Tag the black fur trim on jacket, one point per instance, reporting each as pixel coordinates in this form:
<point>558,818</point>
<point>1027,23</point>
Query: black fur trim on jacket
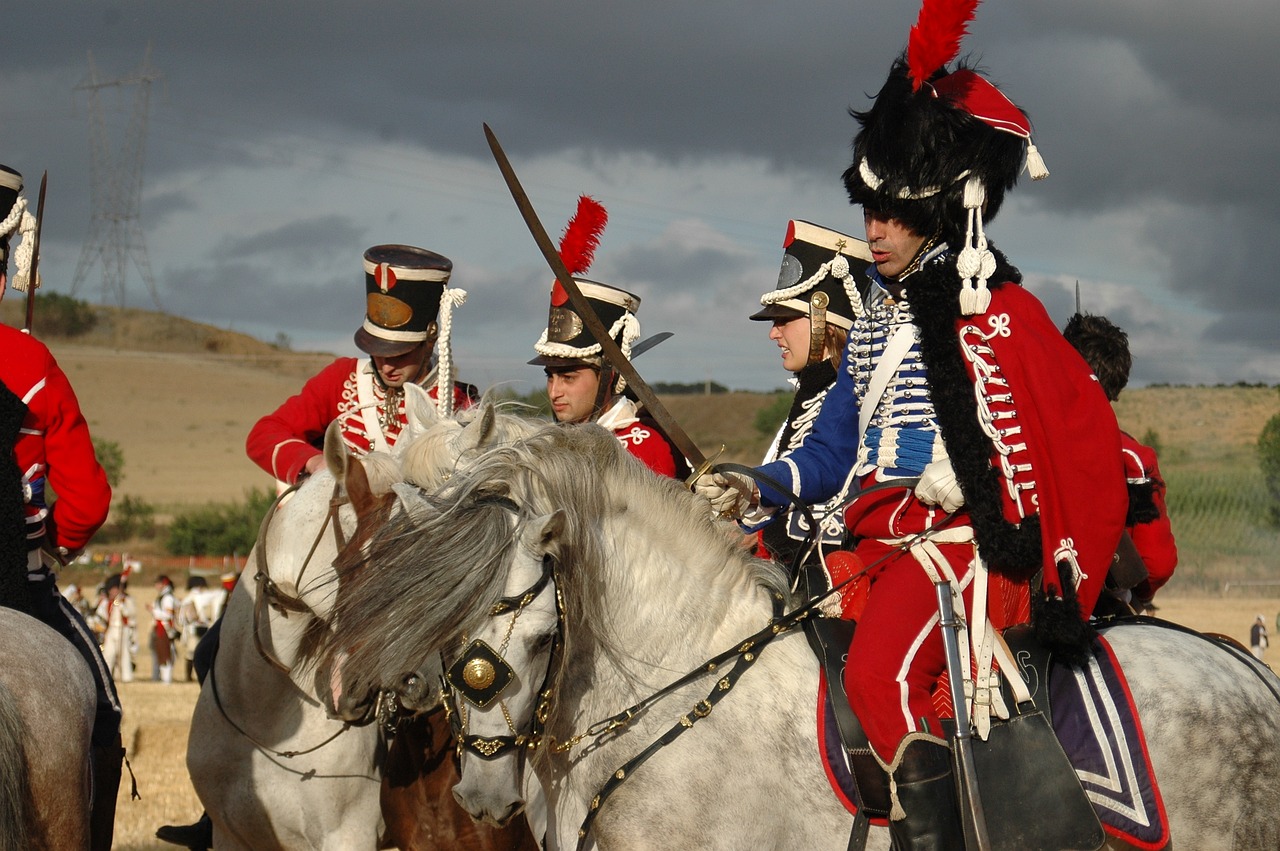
<point>15,591</point>
<point>1058,624</point>
<point>1142,503</point>
<point>934,295</point>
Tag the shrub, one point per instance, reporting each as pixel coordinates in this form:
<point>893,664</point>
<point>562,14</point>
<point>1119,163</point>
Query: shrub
<point>770,418</point>
<point>111,457</point>
<point>59,315</point>
<point>1269,462</point>
<point>220,528</point>
<point>131,517</point>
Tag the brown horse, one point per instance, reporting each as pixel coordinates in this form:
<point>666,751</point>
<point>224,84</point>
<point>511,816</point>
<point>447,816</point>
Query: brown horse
<point>418,777</point>
<point>47,704</point>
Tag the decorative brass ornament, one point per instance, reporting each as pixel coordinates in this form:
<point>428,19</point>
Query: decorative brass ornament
<point>478,673</point>
<point>563,325</point>
<point>388,312</point>
<point>487,747</point>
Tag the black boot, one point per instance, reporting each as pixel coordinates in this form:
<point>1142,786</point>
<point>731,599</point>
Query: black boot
<point>107,761</point>
<point>198,836</point>
<point>925,788</point>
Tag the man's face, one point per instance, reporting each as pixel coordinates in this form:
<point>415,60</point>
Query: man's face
<point>893,245</point>
<point>400,370</point>
<point>573,393</point>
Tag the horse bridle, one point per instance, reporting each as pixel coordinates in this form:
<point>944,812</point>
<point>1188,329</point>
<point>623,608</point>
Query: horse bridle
<point>480,674</point>
<point>269,592</point>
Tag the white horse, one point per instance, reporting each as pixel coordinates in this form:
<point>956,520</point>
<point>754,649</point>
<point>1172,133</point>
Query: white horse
<point>47,706</point>
<point>650,589</point>
<point>306,774</point>
<point>270,765</point>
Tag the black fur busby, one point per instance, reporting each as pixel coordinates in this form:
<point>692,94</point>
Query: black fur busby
<point>939,148</point>
<point>916,150</point>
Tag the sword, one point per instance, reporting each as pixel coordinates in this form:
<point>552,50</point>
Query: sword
<point>972,818</point>
<point>33,274</point>
<point>608,348</point>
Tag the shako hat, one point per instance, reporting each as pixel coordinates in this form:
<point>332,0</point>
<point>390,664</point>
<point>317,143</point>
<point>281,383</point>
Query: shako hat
<point>407,301</point>
<point>566,342</point>
<point>939,148</point>
<point>10,187</point>
<point>15,218</point>
<point>820,274</point>
<point>403,287</point>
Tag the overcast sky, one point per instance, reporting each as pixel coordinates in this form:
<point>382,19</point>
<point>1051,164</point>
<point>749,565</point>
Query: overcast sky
<point>285,138</point>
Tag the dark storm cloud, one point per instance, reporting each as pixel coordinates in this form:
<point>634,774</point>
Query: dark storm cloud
<point>320,240</point>
<point>232,292</point>
<point>1161,111</point>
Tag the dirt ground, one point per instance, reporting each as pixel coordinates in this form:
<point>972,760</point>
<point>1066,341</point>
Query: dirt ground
<point>157,718</point>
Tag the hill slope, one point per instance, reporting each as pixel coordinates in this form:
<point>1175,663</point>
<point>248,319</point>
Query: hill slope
<point>180,397</point>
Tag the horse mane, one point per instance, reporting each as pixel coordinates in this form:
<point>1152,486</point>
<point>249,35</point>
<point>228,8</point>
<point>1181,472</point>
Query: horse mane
<point>430,458</point>
<point>425,576</point>
<point>435,569</point>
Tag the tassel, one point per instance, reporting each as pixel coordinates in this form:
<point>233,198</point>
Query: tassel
<point>975,263</point>
<point>1035,163</point>
<point>896,813</point>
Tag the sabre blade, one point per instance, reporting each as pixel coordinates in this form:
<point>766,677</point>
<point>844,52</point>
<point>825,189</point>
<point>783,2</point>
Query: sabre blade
<point>608,347</point>
<point>33,273</point>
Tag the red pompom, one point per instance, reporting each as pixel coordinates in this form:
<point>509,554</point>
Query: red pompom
<point>582,235</point>
<point>935,39</point>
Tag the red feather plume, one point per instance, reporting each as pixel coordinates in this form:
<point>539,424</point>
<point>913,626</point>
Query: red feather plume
<point>935,39</point>
<point>582,235</point>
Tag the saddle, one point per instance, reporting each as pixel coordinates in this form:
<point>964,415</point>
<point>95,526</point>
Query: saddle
<point>1031,795</point>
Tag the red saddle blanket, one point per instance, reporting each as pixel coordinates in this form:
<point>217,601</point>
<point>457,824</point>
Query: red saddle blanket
<point>1095,720</point>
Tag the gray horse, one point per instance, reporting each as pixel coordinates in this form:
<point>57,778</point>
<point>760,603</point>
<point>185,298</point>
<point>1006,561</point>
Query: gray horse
<point>47,705</point>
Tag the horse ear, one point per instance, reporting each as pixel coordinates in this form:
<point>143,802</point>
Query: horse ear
<point>411,499</point>
<point>356,484</point>
<point>476,432</point>
<point>419,409</point>
<point>550,529</point>
<point>335,451</point>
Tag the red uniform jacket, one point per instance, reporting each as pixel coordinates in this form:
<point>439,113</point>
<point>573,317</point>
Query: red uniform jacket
<point>53,448</point>
<point>1153,537</point>
<point>645,440</point>
<point>282,442</point>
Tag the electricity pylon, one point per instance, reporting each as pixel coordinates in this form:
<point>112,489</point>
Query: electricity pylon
<point>115,229</point>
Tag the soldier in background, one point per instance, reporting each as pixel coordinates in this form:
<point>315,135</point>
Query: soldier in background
<point>581,385</point>
<point>408,320</point>
<point>1105,347</point>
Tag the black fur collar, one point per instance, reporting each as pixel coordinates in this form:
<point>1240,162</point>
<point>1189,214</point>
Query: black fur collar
<point>934,295</point>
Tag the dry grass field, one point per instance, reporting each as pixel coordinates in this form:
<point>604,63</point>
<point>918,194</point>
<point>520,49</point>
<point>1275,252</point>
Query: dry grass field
<point>179,398</point>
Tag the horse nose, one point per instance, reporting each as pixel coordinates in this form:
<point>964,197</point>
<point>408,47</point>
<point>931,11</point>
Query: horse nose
<point>485,814</point>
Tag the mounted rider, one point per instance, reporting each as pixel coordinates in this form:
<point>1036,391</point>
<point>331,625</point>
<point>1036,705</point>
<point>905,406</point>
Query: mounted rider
<point>954,374</point>
<point>811,310</point>
<point>1105,347</point>
<point>408,323</point>
<point>407,333</point>
<point>581,386</point>
<point>45,448</point>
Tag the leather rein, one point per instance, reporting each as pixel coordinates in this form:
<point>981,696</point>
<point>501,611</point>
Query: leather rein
<point>742,656</point>
<point>269,593</point>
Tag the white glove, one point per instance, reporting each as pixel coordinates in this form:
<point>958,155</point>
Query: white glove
<point>938,486</point>
<point>730,494</point>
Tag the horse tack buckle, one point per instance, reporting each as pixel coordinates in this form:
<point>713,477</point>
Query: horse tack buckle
<point>480,674</point>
